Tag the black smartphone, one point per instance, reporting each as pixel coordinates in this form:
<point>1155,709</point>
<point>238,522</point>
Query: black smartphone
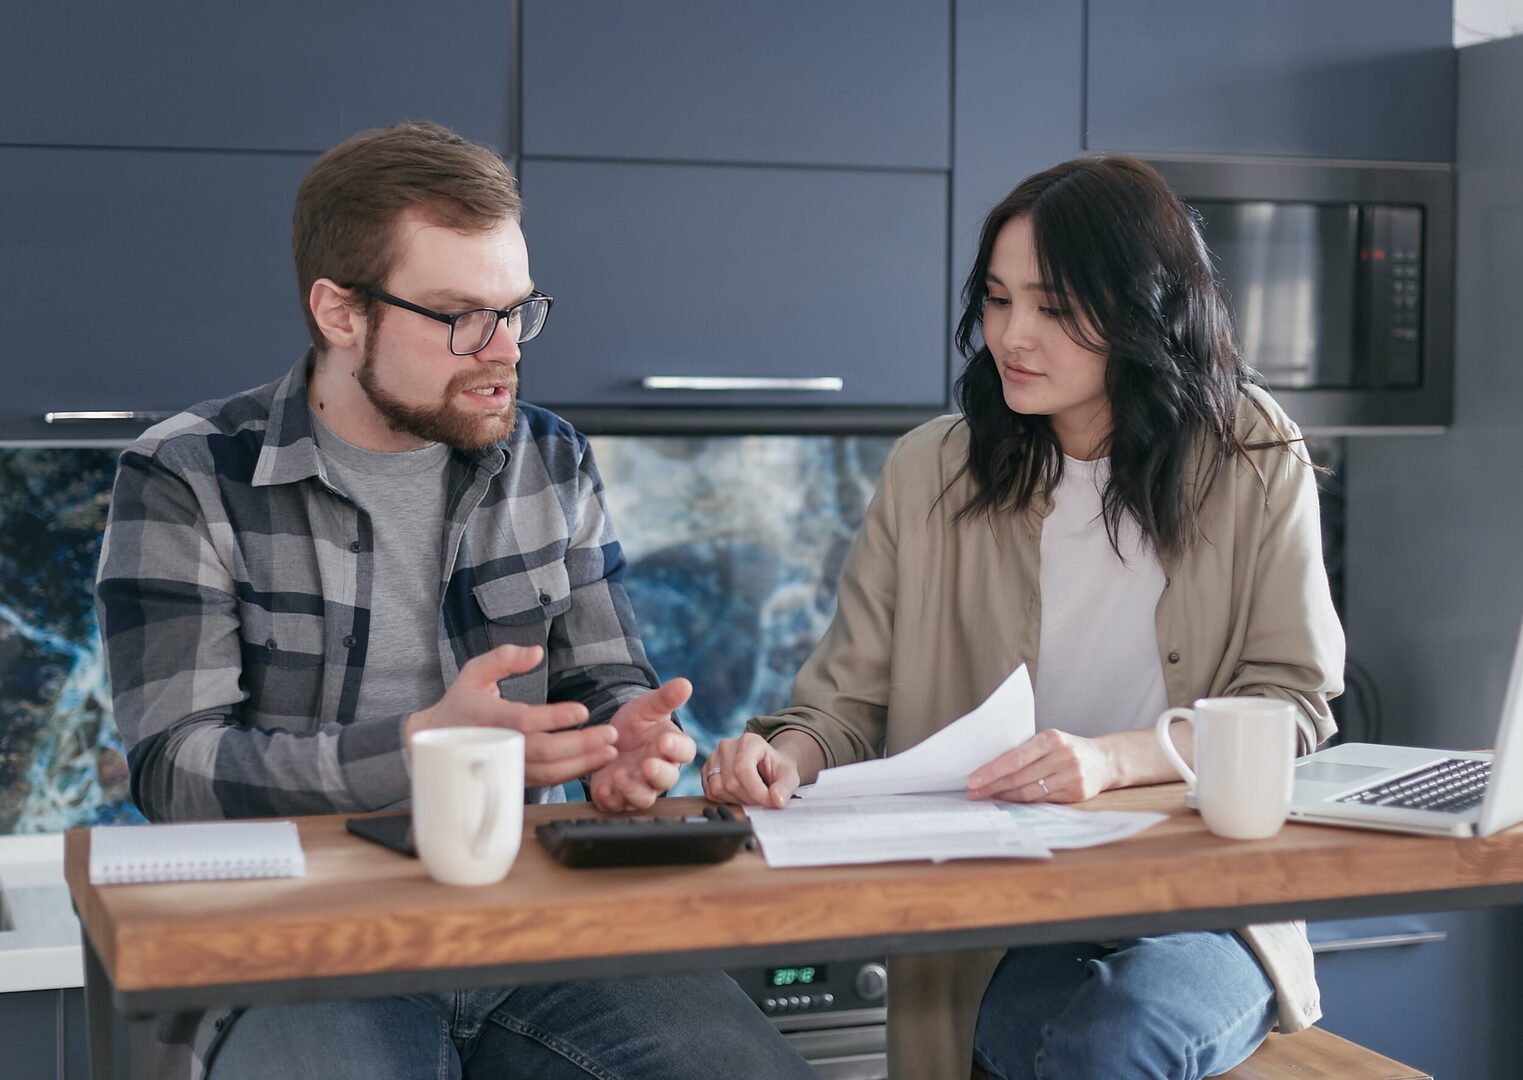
<point>393,831</point>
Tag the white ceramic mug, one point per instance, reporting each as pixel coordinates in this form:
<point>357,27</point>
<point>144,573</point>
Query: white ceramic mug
<point>1245,749</point>
<point>467,802</point>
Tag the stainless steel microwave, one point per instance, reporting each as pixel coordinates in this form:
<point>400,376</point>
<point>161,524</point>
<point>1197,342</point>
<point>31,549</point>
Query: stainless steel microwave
<point>1340,276</point>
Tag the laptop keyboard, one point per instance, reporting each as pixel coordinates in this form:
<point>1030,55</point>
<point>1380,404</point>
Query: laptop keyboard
<point>1449,787</point>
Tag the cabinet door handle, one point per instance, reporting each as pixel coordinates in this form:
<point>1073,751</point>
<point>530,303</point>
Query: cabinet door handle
<point>1383,941</point>
<point>99,416</point>
<point>828,383</point>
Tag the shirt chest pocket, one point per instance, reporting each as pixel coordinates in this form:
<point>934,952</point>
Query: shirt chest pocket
<point>288,638</point>
<point>519,607</point>
<point>283,663</point>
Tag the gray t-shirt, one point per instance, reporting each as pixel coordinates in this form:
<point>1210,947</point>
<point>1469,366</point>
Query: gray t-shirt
<point>404,494</point>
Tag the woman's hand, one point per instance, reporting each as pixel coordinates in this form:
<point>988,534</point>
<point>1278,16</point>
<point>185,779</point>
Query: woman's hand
<point>1051,766</point>
<point>751,772</point>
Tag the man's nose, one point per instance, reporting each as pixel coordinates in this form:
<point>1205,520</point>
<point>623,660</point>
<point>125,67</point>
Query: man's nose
<point>503,348</point>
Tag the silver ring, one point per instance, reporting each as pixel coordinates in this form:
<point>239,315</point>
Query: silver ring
<point>715,771</point>
<point>1041,782</point>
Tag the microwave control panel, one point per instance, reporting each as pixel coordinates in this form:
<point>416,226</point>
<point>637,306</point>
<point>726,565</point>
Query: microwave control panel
<point>1390,254</point>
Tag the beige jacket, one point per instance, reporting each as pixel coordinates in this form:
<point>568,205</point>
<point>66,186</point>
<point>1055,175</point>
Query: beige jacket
<point>933,615</point>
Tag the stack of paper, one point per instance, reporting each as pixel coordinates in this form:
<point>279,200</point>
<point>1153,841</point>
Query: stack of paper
<point>943,762</point>
<point>1063,828</point>
<point>893,828</point>
<point>914,805</point>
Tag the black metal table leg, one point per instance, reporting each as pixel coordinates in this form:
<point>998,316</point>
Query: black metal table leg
<point>120,1046</point>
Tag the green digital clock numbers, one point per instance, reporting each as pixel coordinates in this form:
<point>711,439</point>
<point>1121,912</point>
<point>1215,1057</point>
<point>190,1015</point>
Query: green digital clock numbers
<point>795,976</point>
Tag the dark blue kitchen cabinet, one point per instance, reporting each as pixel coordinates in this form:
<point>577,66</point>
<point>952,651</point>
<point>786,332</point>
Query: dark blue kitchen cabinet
<point>277,75</point>
<point>141,281</point>
<point>1019,88</point>
<point>1020,109</point>
<point>848,83</point>
<point>1353,79</point>
<point>43,1035</point>
<point>685,271</point>
<point>1414,988</point>
<point>73,1035</point>
<point>29,1034</point>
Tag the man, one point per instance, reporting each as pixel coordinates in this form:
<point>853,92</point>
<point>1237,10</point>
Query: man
<point>298,578</point>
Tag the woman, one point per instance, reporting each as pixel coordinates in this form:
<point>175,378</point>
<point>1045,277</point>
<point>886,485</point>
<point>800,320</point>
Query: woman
<point>1121,508</point>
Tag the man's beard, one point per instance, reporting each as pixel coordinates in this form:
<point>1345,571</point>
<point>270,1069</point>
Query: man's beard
<point>447,422</point>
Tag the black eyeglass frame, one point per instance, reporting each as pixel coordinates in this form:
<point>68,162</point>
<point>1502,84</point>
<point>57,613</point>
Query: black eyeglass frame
<point>450,320</point>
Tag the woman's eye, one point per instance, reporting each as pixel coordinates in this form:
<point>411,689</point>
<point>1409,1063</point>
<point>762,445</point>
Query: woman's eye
<point>996,301</point>
<point>1052,312</point>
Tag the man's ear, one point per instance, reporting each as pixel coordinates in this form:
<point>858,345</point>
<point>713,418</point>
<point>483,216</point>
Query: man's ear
<point>341,320</point>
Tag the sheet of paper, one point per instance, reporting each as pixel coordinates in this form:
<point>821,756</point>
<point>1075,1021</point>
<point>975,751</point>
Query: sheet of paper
<point>839,832</point>
<point>1062,828</point>
<point>943,762</point>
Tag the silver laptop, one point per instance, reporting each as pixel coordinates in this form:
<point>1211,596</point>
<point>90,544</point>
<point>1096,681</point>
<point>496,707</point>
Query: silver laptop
<point>1405,789</point>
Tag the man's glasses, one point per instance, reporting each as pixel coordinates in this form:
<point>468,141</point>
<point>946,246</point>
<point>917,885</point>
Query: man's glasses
<point>471,331</point>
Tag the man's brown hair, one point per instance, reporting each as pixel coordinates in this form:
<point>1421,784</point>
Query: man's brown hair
<point>348,204</point>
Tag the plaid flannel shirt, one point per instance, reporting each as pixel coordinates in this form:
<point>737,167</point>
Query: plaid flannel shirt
<point>234,601</point>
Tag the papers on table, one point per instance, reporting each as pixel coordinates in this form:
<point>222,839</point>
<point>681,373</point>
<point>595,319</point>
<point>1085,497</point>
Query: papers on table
<point>943,762</point>
<point>893,828</point>
<point>914,805</point>
<point>1063,828</point>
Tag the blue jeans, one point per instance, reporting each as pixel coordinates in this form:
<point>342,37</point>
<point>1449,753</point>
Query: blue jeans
<point>671,1027</point>
<point>1175,1007</point>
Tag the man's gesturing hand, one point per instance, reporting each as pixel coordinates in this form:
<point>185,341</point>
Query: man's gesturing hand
<point>556,749</point>
<point>651,750</point>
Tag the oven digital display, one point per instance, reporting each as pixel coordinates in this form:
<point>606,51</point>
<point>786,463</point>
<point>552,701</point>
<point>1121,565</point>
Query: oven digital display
<point>795,976</point>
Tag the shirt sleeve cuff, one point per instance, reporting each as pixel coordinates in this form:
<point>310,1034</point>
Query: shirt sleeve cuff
<point>830,758</point>
<point>375,769</point>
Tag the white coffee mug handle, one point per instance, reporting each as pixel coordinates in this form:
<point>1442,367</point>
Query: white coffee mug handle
<point>483,772</point>
<point>1161,729</point>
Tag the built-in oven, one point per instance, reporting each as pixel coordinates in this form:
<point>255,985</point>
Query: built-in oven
<point>833,1013</point>
<point>1340,278</point>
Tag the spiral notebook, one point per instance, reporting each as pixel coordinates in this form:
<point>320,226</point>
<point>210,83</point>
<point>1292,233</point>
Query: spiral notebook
<point>204,851</point>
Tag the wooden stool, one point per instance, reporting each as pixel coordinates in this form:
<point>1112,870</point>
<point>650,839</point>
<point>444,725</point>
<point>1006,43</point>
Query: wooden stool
<point>1315,1054</point>
<point>1312,1054</point>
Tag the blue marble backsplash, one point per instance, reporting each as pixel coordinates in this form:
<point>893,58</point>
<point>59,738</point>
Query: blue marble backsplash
<point>61,763</point>
<point>734,547</point>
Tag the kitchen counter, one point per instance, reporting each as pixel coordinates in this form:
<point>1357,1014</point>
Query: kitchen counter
<point>39,934</point>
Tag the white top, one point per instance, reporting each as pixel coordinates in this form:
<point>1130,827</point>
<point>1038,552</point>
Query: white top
<point>1098,670</point>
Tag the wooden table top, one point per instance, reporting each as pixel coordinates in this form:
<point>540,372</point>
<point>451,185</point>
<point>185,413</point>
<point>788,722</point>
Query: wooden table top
<point>363,910</point>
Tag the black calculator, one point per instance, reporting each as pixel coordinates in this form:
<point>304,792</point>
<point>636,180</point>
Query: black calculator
<point>712,836</point>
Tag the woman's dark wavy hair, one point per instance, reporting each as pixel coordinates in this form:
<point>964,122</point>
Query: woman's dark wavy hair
<point>1138,286</point>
